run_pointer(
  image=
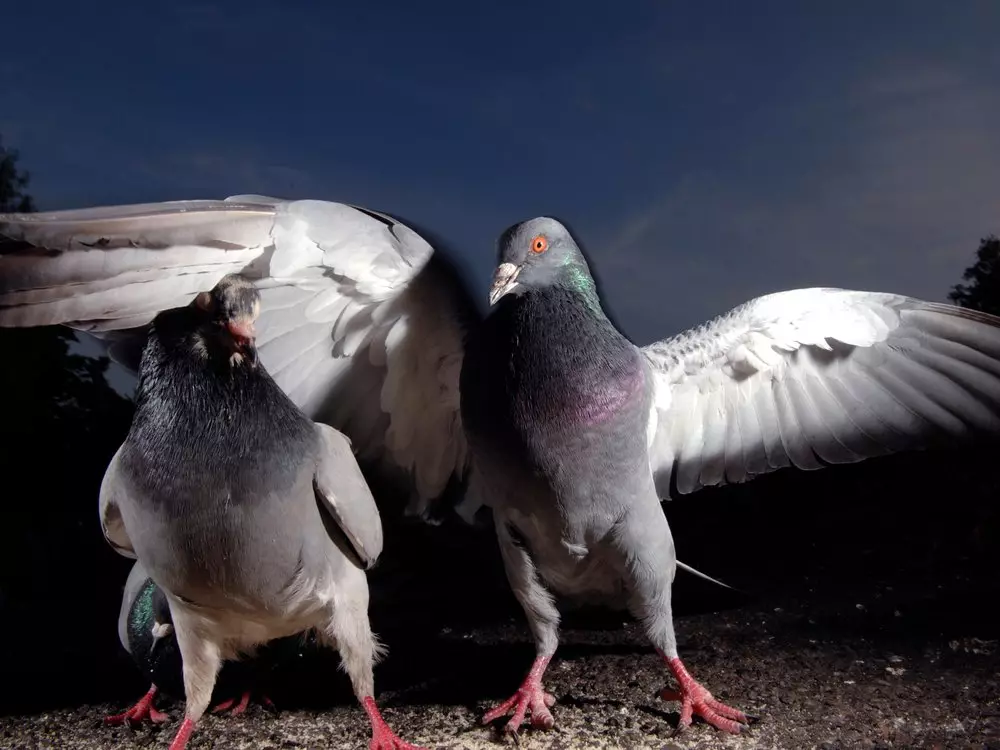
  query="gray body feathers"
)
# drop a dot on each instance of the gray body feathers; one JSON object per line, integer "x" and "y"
{"x": 555, "y": 402}
{"x": 253, "y": 521}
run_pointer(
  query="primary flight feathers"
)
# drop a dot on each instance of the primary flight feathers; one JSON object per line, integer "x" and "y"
{"x": 812, "y": 377}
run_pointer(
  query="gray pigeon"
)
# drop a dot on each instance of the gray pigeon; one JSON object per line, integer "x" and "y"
{"x": 575, "y": 432}
{"x": 255, "y": 522}
{"x": 565, "y": 429}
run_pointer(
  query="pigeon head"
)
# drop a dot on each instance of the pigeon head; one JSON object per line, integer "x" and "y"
{"x": 229, "y": 312}
{"x": 537, "y": 253}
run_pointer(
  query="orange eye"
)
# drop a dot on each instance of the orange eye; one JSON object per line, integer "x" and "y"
{"x": 539, "y": 244}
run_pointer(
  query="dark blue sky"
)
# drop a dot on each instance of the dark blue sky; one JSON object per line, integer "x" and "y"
{"x": 703, "y": 152}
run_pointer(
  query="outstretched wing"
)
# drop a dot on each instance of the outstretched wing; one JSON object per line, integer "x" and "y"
{"x": 813, "y": 377}
{"x": 361, "y": 323}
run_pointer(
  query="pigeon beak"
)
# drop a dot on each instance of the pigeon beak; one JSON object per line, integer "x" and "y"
{"x": 159, "y": 631}
{"x": 243, "y": 334}
{"x": 155, "y": 647}
{"x": 250, "y": 352}
{"x": 504, "y": 281}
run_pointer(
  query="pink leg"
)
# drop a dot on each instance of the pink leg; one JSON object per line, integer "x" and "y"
{"x": 141, "y": 711}
{"x": 238, "y": 708}
{"x": 530, "y": 696}
{"x": 383, "y": 738}
{"x": 695, "y": 699}
{"x": 183, "y": 735}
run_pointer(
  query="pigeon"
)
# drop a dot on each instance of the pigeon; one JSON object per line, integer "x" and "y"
{"x": 577, "y": 433}
{"x": 146, "y": 632}
{"x": 539, "y": 410}
{"x": 253, "y": 521}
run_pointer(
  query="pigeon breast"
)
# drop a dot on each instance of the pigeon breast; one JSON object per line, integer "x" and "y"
{"x": 551, "y": 382}
{"x": 215, "y": 465}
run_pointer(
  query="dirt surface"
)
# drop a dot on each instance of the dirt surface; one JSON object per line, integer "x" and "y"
{"x": 871, "y": 625}
{"x": 849, "y": 674}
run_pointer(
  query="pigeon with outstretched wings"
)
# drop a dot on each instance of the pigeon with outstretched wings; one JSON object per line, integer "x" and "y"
{"x": 565, "y": 429}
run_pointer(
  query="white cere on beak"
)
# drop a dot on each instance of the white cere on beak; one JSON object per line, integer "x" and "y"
{"x": 162, "y": 629}
{"x": 504, "y": 281}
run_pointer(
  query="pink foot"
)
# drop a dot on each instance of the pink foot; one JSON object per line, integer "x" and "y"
{"x": 143, "y": 710}
{"x": 383, "y": 738}
{"x": 529, "y": 697}
{"x": 235, "y": 709}
{"x": 695, "y": 699}
{"x": 183, "y": 735}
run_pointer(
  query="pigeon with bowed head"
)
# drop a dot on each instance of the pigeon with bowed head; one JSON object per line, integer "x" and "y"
{"x": 146, "y": 632}
{"x": 551, "y": 417}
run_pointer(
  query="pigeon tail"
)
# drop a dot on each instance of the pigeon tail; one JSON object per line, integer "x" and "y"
{"x": 692, "y": 571}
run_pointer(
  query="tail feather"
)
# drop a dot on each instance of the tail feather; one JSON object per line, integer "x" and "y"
{"x": 689, "y": 569}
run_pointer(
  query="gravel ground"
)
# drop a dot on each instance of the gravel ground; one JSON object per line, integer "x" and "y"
{"x": 849, "y": 674}
{"x": 870, "y": 625}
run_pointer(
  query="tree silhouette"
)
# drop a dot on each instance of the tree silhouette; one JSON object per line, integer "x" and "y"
{"x": 983, "y": 291}
{"x": 13, "y": 183}
{"x": 61, "y": 423}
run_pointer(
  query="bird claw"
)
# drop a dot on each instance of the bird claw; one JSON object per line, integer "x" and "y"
{"x": 136, "y": 715}
{"x": 236, "y": 708}
{"x": 383, "y": 738}
{"x": 142, "y": 711}
{"x": 695, "y": 700}
{"x": 529, "y": 697}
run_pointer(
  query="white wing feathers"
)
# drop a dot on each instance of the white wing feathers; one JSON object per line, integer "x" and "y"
{"x": 813, "y": 377}
{"x": 355, "y": 325}
{"x": 364, "y": 334}
{"x": 116, "y": 267}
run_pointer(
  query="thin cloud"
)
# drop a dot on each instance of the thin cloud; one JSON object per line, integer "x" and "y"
{"x": 901, "y": 208}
